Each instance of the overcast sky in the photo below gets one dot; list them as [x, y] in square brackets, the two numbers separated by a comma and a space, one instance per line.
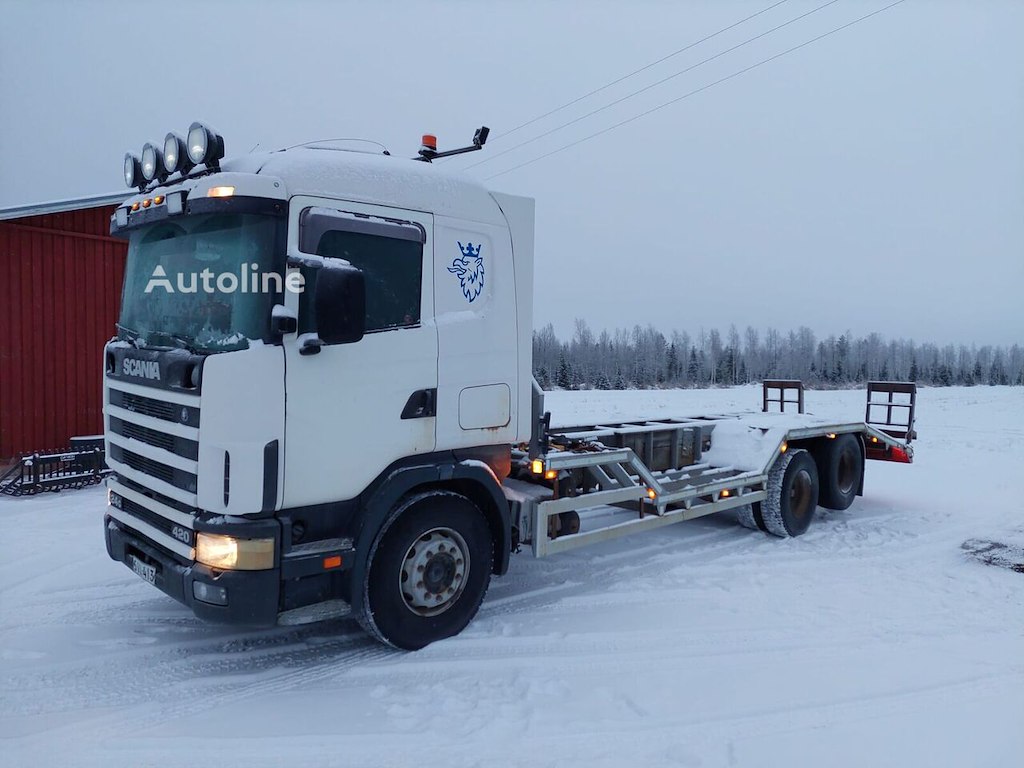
[870, 181]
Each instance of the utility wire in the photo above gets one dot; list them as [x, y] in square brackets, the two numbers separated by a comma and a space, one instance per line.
[694, 92]
[638, 71]
[652, 85]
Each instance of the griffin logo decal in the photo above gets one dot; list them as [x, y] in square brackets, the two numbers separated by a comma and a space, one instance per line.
[470, 270]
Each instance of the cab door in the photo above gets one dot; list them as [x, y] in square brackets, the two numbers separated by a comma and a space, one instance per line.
[353, 409]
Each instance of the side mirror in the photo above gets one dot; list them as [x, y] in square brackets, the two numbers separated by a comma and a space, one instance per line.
[339, 304]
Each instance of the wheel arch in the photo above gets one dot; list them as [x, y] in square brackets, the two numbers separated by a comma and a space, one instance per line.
[383, 505]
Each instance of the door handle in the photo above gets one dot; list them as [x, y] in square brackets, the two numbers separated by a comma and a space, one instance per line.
[421, 404]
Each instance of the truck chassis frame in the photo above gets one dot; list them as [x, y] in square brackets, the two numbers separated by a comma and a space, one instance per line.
[601, 476]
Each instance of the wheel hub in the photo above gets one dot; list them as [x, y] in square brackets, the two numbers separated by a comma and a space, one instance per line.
[434, 571]
[846, 473]
[800, 494]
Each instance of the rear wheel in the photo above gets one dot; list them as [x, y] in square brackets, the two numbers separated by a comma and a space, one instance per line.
[840, 468]
[429, 572]
[749, 516]
[792, 494]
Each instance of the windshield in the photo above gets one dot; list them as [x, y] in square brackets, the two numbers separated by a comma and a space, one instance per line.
[205, 282]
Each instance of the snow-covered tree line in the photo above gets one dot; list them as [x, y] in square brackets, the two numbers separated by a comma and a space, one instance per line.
[645, 357]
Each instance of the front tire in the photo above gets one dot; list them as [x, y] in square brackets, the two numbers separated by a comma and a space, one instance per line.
[792, 494]
[429, 572]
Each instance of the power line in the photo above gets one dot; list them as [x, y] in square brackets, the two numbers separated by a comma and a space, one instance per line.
[652, 85]
[638, 71]
[694, 92]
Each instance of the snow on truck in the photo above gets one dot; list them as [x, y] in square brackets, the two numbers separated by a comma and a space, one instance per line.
[320, 400]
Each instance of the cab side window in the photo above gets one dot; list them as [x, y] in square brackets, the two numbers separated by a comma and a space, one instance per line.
[393, 270]
[389, 253]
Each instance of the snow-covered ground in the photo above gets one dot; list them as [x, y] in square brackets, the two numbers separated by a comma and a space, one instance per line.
[872, 640]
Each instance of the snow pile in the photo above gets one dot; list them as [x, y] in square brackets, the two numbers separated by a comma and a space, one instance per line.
[872, 640]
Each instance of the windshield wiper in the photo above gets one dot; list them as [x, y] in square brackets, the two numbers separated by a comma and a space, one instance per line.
[133, 335]
[182, 341]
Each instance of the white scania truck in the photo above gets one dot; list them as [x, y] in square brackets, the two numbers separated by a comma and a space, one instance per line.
[320, 402]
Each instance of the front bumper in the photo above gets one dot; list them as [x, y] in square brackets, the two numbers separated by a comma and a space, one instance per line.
[253, 597]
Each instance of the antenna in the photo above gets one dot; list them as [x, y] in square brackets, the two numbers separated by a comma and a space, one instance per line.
[428, 151]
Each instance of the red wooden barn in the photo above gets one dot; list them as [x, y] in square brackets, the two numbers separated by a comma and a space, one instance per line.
[60, 287]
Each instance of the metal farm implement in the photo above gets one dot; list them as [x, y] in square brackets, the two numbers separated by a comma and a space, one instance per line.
[82, 464]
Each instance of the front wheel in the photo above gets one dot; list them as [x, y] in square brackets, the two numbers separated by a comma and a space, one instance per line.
[429, 572]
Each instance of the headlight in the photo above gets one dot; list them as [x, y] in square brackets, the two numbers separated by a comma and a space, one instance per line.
[230, 554]
[152, 163]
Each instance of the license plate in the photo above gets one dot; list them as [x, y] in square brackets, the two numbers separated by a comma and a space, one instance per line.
[145, 570]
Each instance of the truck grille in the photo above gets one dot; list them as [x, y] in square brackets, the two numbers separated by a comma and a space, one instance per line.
[157, 520]
[179, 478]
[150, 467]
[181, 446]
[143, 434]
[158, 409]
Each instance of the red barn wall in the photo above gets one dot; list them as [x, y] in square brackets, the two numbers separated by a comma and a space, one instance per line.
[60, 287]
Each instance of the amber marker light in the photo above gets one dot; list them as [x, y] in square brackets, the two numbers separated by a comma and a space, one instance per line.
[726, 494]
[784, 447]
[651, 493]
[158, 200]
[332, 562]
[537, 467]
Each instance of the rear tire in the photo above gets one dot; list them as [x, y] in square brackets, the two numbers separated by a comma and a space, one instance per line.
[840, 469]
[429, 572]
[750, 517]
[792, 494]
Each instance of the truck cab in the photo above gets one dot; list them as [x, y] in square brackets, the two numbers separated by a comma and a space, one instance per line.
[322, 361]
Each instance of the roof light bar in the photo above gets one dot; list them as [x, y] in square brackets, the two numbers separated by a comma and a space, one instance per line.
[177, 155]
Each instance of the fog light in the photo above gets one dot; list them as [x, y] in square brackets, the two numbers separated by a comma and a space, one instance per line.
[132, 170]
[230, 554]
[209, 593]
[152, 163]
[176, 157]
[204, 145]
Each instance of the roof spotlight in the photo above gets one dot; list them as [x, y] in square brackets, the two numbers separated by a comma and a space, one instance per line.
[152, 163]
[132, 171]
[204, 145]
[176, 155]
